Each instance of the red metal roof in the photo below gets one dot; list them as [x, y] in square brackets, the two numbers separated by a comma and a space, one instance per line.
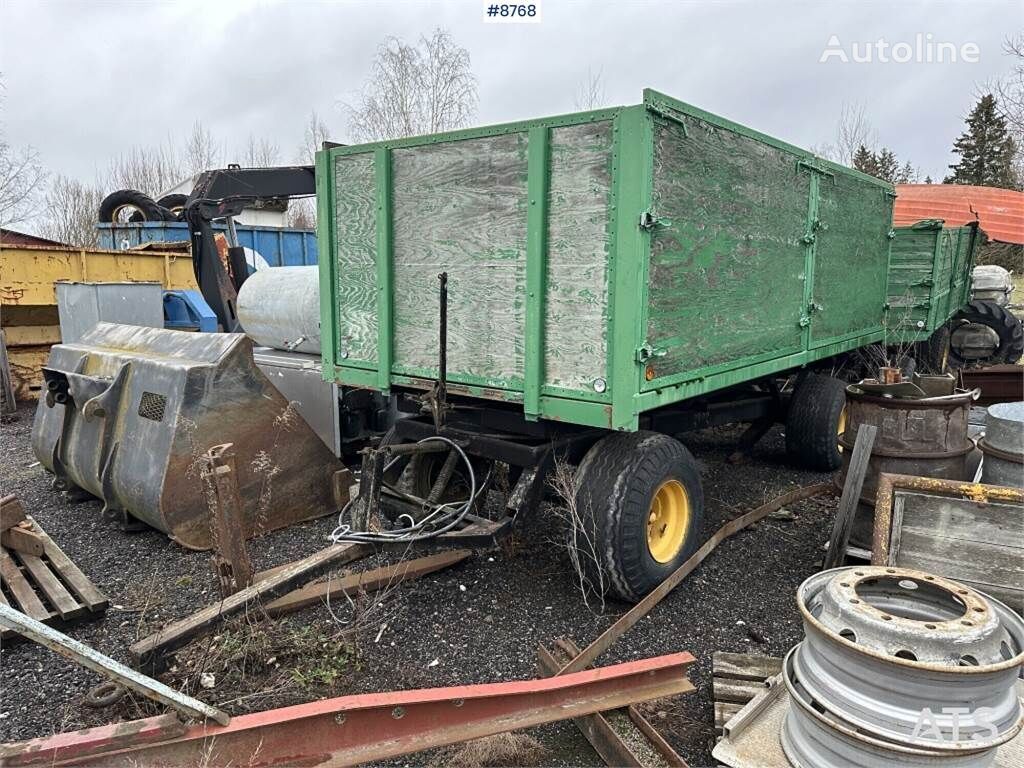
[1000, 212]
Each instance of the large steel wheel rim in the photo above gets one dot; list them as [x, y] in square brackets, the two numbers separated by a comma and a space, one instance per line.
[668, 521]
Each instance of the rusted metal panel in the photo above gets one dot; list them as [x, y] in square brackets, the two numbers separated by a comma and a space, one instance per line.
[357, 729]
[129, 411]
[1000, 212]
[220, 480]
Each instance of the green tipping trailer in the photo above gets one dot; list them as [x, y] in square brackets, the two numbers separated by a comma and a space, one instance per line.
[614, 277]
[601, 264]
[930, 270]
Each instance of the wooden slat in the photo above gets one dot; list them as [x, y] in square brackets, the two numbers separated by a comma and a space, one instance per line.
[736, 691]
[368, 581]
[22, 540]
[148, 651]
[20, 589]
[855, 473]
[54, 592]
[79, 583]
[11, 512]
[745, 666]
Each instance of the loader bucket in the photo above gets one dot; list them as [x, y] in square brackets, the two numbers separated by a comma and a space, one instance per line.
[126, 412]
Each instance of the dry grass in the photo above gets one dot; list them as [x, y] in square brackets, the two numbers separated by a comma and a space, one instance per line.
[502, 749]
[580, 544]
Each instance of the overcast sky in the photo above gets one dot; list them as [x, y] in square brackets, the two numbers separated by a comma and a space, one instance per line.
[84, 80]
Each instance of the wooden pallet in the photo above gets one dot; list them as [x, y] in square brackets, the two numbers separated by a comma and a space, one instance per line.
[50, 588]
[736, 678]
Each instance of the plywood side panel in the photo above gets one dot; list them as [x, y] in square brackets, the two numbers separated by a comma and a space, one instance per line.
[851, 257]
[726, 268]
[460, 207]
[355, 248]
[576, 311]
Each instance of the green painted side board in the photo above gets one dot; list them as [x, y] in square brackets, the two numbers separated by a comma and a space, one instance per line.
[929, 278]
[601, 263]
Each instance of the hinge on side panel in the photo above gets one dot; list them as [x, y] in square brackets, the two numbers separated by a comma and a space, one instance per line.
[648, 352]
[649, 220]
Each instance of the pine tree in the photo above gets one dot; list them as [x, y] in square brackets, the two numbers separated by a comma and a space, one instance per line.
[907, 174]
[888, 165]
[928, 180]
[986, 149]
[864, 160]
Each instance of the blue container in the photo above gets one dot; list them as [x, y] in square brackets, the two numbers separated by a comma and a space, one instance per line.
[278, 247]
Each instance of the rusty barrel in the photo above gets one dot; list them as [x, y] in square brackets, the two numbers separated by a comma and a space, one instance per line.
[1003, 445]
[916, 436]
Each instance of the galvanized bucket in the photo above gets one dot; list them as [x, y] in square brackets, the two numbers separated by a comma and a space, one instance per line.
[1003, 445]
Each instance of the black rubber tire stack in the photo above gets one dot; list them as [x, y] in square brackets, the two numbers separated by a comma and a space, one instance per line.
[812, 421]
[615, 484]
[145, 207]
[174, 205]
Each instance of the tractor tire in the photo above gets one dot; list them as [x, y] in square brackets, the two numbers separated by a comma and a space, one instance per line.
[144, 206]
[932, 354]
[816, 417]
[640, 505]
[1002, 321]
[174, 205]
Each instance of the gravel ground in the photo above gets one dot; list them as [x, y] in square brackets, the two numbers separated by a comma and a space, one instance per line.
[480, 621]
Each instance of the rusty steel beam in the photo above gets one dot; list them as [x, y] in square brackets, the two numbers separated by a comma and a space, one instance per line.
[231, 560]
[356, 729]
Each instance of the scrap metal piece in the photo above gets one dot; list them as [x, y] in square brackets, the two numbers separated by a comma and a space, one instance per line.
[231, 559]
[375, 726]
[97, 662]
[882, 645]
[128, 411]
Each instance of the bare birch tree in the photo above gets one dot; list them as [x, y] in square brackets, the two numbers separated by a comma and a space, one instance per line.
[150, 170]
[70, 213]
[853, 130]
[415, 89]
[21, 179]
[590, 92]
[260, 153]
[314, 134]
[201, 152]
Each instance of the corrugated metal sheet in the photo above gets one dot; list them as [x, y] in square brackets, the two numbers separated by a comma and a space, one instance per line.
[999, 211]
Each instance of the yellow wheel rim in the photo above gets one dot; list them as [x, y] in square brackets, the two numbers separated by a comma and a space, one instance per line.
[668, 521]
[841, 427]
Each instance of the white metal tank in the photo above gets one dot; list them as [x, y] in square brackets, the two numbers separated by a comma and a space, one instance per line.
[279, 307]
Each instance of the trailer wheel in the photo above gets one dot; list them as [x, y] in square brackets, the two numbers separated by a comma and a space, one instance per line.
[1004, 324]
[116, 205]
[816, 419]
[932, 354]
[639, 503]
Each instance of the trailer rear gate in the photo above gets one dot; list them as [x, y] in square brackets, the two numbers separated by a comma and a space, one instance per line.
[600, 264]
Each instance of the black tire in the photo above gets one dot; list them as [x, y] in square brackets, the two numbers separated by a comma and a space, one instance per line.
[1001, 320]
[615, 485]
[812, 423]
[145, 207]
[932, 354]
[174, 204]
